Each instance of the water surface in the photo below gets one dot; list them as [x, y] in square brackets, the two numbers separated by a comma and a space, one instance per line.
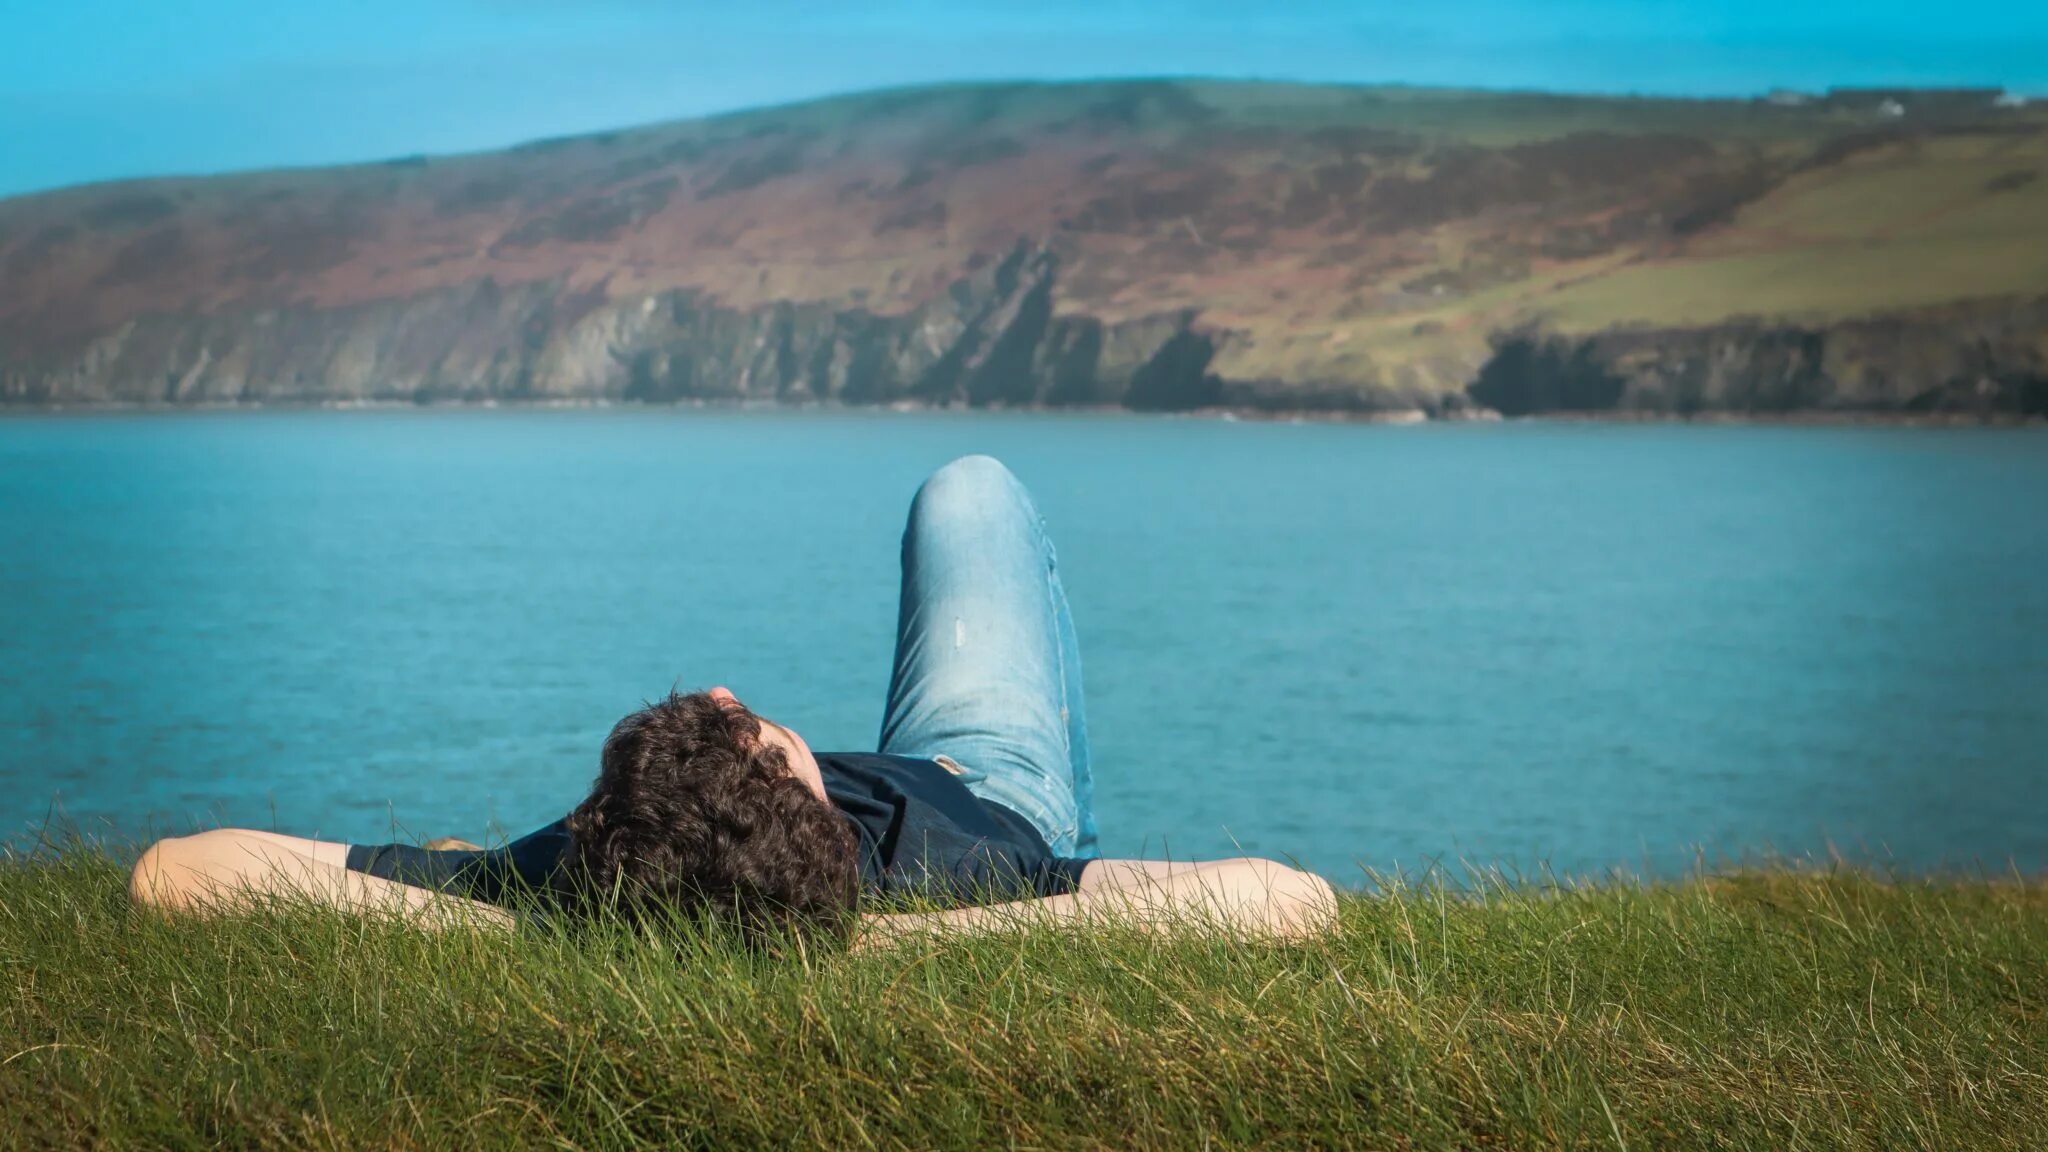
[1584, 647]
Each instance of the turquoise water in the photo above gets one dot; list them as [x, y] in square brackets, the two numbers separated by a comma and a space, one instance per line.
[1585, 647]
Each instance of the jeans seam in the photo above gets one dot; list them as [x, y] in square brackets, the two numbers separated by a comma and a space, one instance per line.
[1069, 835]
[1059, 653]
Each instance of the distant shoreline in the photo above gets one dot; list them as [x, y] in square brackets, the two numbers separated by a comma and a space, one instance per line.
[1158, 244]
[1822, 418]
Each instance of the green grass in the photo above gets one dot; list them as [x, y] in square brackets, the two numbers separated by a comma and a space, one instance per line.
[1815, 284]
[1781, 1009]
[1907, 227]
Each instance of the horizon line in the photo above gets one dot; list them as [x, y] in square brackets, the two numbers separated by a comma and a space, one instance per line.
[2000, 88]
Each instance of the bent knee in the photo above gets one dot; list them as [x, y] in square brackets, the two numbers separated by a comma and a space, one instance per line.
[970, 477]
[969, 486]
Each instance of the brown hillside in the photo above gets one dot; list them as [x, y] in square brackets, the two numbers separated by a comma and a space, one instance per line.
[1303, 245]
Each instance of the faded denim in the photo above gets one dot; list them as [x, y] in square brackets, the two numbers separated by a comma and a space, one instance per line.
[988, 670]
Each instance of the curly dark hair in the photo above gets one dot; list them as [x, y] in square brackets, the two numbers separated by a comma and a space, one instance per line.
[694, 815]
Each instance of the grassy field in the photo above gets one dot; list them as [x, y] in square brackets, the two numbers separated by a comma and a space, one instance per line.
[1782, 1010]
[1900, 227]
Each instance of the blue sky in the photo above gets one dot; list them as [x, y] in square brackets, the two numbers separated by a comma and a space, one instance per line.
[95, 90]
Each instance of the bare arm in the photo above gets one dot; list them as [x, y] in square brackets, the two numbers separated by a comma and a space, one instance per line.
[1259, 897]
[234, 869]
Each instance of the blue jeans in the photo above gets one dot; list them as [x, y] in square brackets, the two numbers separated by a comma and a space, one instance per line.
[988, 672]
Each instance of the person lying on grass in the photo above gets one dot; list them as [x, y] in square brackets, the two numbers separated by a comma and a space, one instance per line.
[978, 801]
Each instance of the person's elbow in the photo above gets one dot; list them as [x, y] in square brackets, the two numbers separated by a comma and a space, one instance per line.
[1308, 905]
[171, 875]
[150, 883]
[1287, 902]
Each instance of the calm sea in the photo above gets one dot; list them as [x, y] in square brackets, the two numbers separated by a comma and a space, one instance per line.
[1581, 647]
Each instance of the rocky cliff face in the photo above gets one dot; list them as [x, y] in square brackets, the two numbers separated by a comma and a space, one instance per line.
[1985, 360]
[990, 340]
[993, 340]
[1152, 245]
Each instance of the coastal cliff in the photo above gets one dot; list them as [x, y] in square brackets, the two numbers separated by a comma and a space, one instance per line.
[992, 339]
[1982, 359]
[1152, 245]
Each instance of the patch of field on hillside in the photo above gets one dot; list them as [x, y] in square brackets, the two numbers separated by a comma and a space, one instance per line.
[1902, 227]
[1915, 224]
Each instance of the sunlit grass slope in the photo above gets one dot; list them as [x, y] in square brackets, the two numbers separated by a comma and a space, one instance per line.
[1927, 222]
[1775, 1010]
[1901, 227]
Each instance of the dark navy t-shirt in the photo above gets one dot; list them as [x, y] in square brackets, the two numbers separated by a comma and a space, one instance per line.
[921, 834]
